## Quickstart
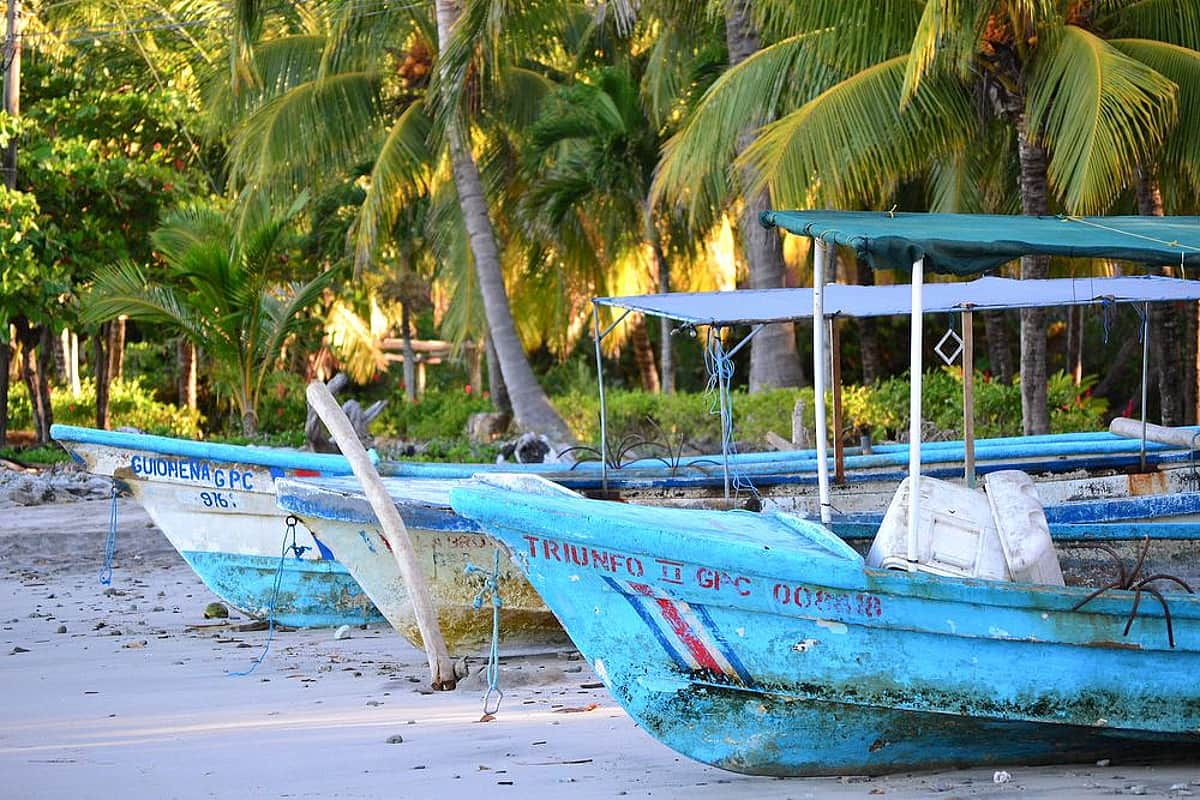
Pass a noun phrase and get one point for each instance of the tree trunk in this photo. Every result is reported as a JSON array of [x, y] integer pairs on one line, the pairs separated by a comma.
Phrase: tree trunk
[[666, 346], [995, 328], [100, 365], [188, 368], [410, 356], [37, 356], [5, 362], [1164, 320], [496, 381], [1075, 343], [116, 349], [1192, 375], [643, 353], [774, 359], [1035, 416], [531, 407], [868, 333]]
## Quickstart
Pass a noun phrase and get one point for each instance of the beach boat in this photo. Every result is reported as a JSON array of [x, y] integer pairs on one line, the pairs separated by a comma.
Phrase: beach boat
[[216, 505], [762, 643], [456, 558]]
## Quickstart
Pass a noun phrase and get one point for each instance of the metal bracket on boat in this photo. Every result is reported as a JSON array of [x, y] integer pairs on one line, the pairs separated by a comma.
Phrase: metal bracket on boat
[[1129, 581]]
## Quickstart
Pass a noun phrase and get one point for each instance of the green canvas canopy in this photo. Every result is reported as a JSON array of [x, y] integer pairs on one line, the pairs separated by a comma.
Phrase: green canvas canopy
[[966, 244]]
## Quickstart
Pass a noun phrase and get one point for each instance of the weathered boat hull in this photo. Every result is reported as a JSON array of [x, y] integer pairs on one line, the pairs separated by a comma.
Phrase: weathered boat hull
[[217, 508], [446, 544], [759, 644]]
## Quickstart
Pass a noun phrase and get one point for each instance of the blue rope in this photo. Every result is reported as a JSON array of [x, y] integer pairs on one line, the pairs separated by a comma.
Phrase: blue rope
[[110, 543], [1105, 303], [491, 585], [720, 376], [1141, 312], [289, 531]]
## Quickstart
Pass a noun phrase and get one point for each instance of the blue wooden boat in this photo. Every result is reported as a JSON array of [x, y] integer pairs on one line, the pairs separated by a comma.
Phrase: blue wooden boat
[[762, 643]]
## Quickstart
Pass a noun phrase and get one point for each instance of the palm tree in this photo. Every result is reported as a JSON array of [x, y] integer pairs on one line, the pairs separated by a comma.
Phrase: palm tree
[[221, 290], [874, 93], [322, 98], [591, 156]]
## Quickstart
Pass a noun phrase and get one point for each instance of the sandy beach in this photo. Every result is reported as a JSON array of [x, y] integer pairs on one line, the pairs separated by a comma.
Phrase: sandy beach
[[128, 690]]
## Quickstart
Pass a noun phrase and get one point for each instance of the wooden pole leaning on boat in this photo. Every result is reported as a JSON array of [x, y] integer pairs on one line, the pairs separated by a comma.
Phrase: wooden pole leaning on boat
[[441, 669], [1185, 438]]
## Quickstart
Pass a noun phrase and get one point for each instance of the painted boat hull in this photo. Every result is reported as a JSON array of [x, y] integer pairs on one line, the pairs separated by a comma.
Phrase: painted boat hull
[[445, 543], [218, 510], [757, 644]]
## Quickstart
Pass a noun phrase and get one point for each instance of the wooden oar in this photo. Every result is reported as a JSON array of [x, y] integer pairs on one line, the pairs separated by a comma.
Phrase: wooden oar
[[441, 669]]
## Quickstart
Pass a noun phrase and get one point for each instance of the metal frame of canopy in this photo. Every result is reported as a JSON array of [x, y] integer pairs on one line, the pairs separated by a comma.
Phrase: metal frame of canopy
[[874, 238]]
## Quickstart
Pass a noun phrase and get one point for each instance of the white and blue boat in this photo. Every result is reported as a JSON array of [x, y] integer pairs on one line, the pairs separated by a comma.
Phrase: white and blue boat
[[216, 505], [762, 643]]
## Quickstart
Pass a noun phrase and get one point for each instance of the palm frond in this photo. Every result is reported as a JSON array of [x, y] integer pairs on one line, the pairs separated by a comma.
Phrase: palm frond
[[283, 315], [123, 289], [741, 100], [867, 31], [281, 64], [1181, 150], [314, 130], [852, 142], [400, 174], [1171, 21], [1101, 114]]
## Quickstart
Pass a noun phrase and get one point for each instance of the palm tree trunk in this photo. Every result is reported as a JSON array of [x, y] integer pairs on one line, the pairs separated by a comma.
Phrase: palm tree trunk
[[774, 359], [496, 381], [410, 357], [868, 332], [531, 407], [666, 347], [1075, 343], [116, 349], [1035, 416], [188, 359], [643, 353], [100, 367], [995, 328], [1164, 321]]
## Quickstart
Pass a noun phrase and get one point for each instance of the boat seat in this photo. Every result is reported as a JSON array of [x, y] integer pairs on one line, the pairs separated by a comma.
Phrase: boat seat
[[966, 533]]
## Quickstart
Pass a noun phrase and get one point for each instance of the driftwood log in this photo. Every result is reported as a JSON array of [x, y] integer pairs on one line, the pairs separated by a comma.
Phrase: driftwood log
[[317, 435]]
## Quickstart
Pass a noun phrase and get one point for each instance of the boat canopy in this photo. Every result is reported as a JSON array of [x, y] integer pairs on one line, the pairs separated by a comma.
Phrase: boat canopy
[[756, 306], [967, 244]]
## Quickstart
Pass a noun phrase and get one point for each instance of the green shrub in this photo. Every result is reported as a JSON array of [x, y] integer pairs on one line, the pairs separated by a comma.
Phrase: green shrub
[[282, 406], [130, 404], [438, 414], [38, 454], [880, 411]]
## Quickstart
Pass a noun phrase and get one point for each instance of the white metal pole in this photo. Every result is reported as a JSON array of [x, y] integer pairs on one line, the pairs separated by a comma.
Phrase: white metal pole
[[914, 411], [819, 367]]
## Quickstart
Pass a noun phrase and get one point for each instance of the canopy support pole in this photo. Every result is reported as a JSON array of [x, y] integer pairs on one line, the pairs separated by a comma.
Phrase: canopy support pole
[[1145, 374], [819, 366], [835, 356], [600, 382], [916, 369], [968, 367]]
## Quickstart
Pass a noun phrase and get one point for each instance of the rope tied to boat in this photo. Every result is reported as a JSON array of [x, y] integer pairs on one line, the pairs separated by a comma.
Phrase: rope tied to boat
[[491, 586], [719, 365], [110, 542], [289, 532]]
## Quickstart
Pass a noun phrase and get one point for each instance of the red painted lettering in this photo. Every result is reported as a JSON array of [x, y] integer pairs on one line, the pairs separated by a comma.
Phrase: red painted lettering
[[551, 550], [533, 540]]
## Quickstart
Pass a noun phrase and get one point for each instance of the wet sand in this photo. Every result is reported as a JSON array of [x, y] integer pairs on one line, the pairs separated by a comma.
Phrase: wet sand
[[127, 691]]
